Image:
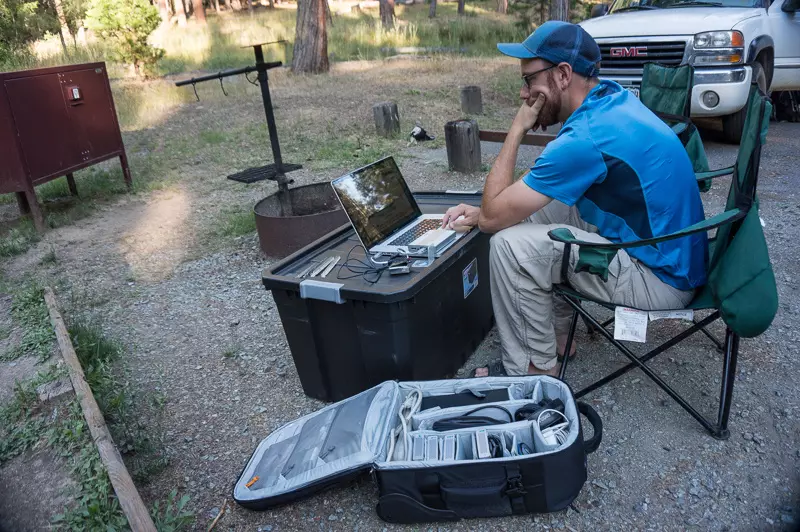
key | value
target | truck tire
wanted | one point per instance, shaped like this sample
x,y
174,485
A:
x,y
733,125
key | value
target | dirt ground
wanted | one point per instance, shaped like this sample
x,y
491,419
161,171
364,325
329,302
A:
x,y
200,330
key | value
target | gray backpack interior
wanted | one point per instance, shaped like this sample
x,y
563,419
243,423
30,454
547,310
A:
x,y
360,432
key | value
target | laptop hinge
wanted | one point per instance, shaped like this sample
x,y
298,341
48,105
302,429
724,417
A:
x,y
324,291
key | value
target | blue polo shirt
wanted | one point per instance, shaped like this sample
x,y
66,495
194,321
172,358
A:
x,y
630,176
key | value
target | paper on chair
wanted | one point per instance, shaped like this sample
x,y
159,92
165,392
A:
x,y
630,324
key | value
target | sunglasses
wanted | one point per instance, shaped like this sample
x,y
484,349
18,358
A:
x,y
527,78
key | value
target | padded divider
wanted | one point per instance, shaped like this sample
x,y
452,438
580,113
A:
x,y
526,390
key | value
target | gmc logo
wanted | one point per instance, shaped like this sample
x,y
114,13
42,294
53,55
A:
x,y
632,51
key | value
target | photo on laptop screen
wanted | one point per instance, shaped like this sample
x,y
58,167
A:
x,y
377,200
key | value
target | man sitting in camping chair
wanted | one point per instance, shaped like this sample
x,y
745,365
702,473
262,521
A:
x,y
614,173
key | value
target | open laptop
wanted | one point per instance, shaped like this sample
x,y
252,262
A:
x,y
385,215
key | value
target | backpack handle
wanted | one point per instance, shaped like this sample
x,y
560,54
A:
x,y
591,414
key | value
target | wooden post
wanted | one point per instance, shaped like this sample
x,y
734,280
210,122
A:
x,y
73,189
129,499
35,208
463,145
471,102
126,171
387,118
22,202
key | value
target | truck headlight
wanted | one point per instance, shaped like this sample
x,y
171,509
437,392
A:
x,y
719,39
718,48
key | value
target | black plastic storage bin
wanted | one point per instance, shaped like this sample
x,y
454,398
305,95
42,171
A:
x,y
347,335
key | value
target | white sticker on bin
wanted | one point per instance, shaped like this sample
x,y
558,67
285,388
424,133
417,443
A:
x,y
630,324
687,314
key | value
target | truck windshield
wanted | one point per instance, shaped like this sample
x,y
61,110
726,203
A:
x,y
641,5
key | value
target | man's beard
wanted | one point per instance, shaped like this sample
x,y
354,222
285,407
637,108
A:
x,y
548,116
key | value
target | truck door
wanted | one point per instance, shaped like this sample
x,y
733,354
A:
x,y
785,31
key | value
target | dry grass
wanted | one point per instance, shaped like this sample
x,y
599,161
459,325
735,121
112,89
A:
x,y
222,43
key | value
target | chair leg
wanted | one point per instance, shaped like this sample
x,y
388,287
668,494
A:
x,y
572,326
717,343
719,429
726,387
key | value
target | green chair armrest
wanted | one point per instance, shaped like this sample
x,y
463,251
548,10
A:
x,y
595,257
702,176
564,235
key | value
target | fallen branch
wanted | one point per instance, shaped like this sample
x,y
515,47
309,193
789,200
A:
x,y
129,499
221,511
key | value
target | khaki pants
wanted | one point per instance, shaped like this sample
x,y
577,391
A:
x,y
525,264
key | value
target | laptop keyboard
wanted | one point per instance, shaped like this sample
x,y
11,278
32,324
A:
x,y
415,232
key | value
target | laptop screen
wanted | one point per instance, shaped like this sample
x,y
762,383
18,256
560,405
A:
x,y
377,200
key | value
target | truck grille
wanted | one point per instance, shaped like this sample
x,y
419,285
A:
x,y
636,54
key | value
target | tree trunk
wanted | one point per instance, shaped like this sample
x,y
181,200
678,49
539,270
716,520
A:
x,y
62,22
311,38
163,11
559,10
432,9
236,5
249,5
387,13
180,11
199,11
461,6
272,4
216,6
502,6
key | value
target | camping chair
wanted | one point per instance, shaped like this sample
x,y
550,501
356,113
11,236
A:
x,y
667,91
740,288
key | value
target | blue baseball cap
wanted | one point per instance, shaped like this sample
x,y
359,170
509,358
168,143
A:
x,y
558,42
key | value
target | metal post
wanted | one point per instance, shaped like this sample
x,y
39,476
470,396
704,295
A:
x,y
261,68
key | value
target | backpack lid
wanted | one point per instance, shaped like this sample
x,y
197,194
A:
x,y
318,450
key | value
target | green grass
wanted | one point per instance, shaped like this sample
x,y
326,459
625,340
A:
x,y
29,311
24,424
18,239
142,445
235,222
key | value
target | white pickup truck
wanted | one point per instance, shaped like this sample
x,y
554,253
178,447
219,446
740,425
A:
x,y
730,43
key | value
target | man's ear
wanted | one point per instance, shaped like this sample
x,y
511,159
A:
x,y
564,75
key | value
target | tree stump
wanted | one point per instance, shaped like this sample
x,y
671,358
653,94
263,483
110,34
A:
x,y
471,102
387,119
463,145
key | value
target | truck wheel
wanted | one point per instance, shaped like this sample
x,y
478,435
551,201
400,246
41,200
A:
x,y
733,125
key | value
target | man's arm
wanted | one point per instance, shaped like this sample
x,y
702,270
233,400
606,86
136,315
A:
x,y
504,202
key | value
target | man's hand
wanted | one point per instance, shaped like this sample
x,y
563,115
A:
x,y
528,115
461,218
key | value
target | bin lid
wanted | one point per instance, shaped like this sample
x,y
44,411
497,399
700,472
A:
x,y
343,242
324,448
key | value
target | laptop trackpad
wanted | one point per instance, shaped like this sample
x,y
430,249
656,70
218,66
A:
x,y
433,237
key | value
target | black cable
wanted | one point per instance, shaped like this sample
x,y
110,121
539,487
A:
x,y
467,420
370,273
498,407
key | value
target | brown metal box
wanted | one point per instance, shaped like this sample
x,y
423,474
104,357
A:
x,y
54,121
